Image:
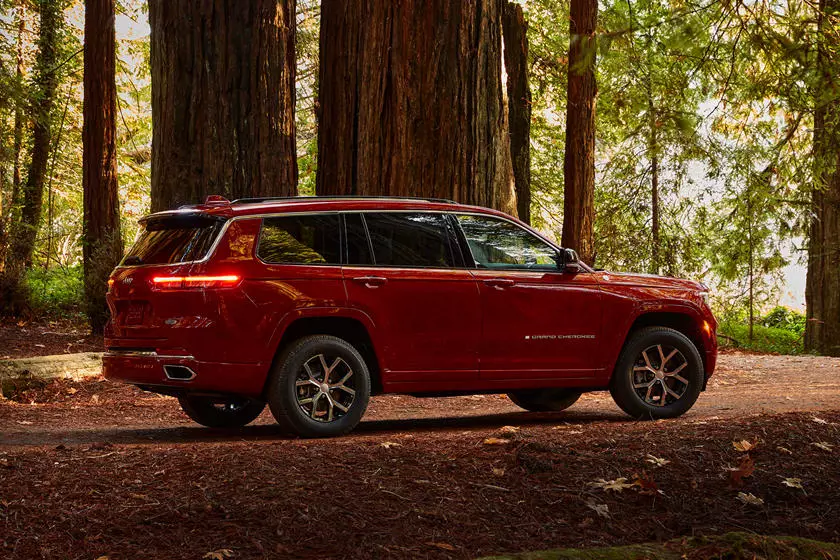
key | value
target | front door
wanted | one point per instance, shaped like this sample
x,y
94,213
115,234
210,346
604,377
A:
x,y
537,321
402,271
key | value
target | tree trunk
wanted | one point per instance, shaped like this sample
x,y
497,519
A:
x,y
43,90
653,148
822,286
18,138
515,30
579,162
102,244
411,101
223,100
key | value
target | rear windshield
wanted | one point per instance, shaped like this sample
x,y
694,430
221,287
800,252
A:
x,y
174,239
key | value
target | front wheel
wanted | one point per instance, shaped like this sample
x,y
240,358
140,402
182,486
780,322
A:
x,y
215,412
544,400
658,375
320,387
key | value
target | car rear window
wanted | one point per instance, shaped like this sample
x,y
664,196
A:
x,y
307,239
174,239
409,239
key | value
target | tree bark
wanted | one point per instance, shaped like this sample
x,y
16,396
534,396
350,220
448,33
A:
x,y
822,286
102,243
515,31
411,101
223,99
43,89
579,162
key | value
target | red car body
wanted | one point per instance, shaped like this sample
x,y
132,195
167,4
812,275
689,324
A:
x,y
226,315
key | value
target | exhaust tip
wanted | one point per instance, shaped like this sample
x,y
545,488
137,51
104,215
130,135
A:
x,y
178,373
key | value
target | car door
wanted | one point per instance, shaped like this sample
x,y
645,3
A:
x,y
404,270
537,321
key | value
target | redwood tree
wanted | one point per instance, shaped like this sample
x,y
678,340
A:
x,y
102,244
223,99
410,101
519,104
579,163
822,287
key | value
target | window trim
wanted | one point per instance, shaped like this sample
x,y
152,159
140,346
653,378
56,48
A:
x,y
264,217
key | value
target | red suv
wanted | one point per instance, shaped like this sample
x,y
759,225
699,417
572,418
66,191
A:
x,y
312,305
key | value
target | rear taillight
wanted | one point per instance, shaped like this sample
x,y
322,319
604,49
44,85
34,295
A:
x,y
174,283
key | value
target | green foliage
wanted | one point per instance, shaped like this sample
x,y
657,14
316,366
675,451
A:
x,y
780,331
58,291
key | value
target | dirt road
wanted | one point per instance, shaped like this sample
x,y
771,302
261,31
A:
x,y
96,469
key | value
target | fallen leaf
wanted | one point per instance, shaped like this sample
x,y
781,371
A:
x,y
24,422
5,463
496,441
390,444
743,446
785,450
441,545
819,420
750,499
616,485
509,429
656,460
72,391
646,484
793,483
824,445
498,472
220,554
744,469
603,510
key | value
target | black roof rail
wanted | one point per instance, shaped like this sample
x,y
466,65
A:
x,y
337,197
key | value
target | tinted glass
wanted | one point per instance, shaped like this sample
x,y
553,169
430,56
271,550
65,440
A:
x,y
403,239
496,243
173,240
358,248
300,240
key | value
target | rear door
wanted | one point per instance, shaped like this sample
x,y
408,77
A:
x,y
537,321
405,271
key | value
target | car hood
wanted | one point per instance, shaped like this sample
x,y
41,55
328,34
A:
x,y
649,280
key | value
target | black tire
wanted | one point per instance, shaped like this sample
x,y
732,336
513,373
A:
x,y
322,417
627,384
215,412
544,400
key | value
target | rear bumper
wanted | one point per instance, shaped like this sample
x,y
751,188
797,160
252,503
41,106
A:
x,y
146,367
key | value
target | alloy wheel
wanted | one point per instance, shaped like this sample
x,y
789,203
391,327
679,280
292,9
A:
x,y
657,375
325,388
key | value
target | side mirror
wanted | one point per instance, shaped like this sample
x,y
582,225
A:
x,y
567,260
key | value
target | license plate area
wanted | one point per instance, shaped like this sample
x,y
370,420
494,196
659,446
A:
x,y
134,313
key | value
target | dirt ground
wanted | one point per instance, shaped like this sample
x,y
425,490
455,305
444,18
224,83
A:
x,y
97,469
24,339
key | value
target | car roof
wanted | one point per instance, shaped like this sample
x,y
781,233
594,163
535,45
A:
x,y
261,206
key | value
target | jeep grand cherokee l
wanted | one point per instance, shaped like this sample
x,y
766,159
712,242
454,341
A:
x,y
312,305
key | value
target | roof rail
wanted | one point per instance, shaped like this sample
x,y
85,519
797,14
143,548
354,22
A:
x,y
337,197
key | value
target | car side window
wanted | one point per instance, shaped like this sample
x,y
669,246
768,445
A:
x,y
497,243
358,246
409,239
306,239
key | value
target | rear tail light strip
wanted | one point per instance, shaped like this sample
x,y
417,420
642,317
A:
x,y
171,283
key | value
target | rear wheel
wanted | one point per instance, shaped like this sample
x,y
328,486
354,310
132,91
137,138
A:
x,y
544,400
659,374
320,387
217,412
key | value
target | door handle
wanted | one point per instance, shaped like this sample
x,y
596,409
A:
x,y
371,281
499,283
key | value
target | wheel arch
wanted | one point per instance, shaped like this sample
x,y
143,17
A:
x,y
347,327
682,321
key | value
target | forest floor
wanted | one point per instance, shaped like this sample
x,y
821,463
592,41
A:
x,y
97,469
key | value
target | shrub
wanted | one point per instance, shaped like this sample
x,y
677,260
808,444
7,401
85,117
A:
x,y
57,291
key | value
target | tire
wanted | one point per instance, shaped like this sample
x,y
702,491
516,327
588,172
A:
x,y
296,396
544,400
214,412
644,394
